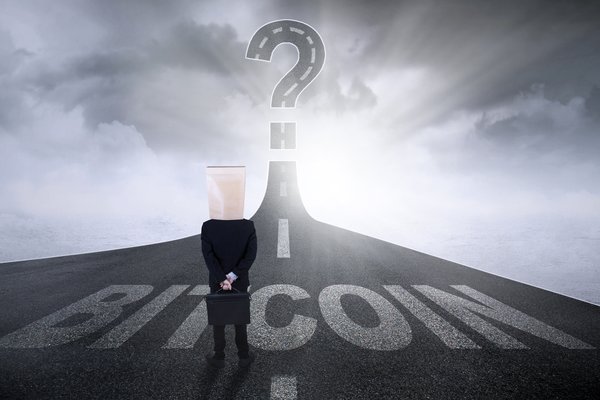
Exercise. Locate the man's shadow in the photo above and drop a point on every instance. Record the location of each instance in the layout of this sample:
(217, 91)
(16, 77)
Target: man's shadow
(224, 383)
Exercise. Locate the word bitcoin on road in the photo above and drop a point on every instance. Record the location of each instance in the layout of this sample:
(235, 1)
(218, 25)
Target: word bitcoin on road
(95, 312)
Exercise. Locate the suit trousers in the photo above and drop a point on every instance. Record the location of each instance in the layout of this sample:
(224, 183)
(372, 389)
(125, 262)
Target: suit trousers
(241, 334)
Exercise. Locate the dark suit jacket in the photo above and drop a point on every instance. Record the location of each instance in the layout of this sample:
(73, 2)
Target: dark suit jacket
(228, 245)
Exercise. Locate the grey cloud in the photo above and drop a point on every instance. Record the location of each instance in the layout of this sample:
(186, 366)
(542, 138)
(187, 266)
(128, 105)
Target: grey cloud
(105, 64)
(481, 53)
(211, 48)
(10, 56)
(360, 95)
(13, 110)
(106, 82)
(12, 106)
(593, 103)
(336, 97)
(531, 143)
(487, 51)
(129, 22)
(550, 127)
(354, 12)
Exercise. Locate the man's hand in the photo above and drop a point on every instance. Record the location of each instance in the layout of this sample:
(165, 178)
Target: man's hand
(231, 277)
(226, 285)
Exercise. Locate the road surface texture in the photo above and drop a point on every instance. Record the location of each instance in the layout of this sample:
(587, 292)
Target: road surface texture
(335, 315)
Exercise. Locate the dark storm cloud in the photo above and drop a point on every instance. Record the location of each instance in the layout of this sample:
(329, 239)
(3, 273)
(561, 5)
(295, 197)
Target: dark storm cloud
(528, 144)
(488, 51)
(209, 48)
(104, 80)
(477, 53)
(541, 133)
(130, 21)
(212, 48)
(592, 104)
(483, 52)
(101, 57)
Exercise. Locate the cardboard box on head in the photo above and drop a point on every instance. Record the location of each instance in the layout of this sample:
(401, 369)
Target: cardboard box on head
(226, 191)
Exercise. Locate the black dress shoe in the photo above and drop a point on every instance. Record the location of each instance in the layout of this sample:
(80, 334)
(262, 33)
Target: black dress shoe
(215, 362)
(244, 362)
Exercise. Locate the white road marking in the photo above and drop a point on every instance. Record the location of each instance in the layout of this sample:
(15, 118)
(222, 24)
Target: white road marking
(126, 329)
(465, 310)
(310, 41)
(264, 336)
(276, 30)
(282, 127)
(290, 89)
(283, 239)
(393, 332)
(43, 332)
(188, 333)
(303, 77)
(283, 388)
(199, 290)
(312, 55)
(451, 336)
(262, 42)
(282, 189)
(257, 56)
(282, 144)
(300, 31)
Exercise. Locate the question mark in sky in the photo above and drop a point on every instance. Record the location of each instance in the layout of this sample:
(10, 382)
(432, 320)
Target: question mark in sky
(311, 57)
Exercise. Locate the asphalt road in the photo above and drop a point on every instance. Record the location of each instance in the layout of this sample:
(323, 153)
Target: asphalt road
(335, 314)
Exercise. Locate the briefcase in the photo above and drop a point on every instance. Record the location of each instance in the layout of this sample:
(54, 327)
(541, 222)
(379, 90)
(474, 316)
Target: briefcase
(228, 308)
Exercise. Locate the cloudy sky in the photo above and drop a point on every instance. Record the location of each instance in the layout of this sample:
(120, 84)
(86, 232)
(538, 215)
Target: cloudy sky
(465, 129)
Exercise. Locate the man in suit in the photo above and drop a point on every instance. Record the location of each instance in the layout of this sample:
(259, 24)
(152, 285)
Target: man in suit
(229, 249)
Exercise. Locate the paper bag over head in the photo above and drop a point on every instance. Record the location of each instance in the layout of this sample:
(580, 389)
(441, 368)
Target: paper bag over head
(226, 191)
